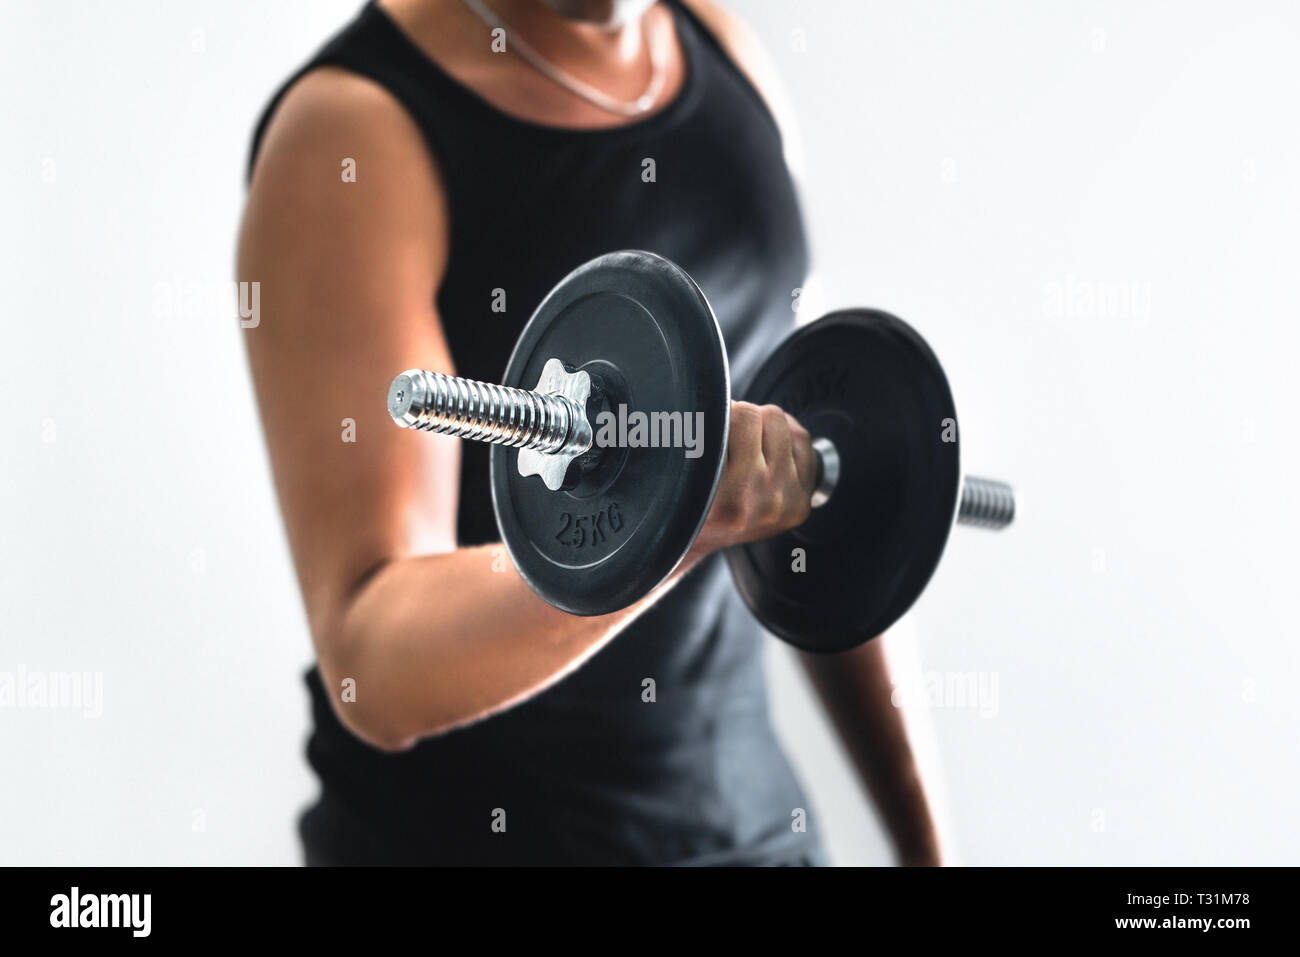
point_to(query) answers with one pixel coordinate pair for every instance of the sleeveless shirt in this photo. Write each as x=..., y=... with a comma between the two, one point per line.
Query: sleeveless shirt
x=660, y=748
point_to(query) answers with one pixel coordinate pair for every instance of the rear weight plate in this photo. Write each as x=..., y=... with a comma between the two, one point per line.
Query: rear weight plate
x=643, y=330
x=867, y=381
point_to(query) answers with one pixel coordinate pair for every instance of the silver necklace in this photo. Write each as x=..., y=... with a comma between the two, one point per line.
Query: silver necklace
x=642, y=104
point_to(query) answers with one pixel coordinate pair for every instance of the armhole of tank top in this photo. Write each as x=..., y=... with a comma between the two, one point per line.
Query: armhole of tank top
x=729, y=63
x=264, y=120
x=427, y=133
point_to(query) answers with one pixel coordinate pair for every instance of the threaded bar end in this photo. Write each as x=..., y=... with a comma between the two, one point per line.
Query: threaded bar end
x=987, y=503
x=481, y=411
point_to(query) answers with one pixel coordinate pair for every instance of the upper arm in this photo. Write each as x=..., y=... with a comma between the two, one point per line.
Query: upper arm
x=347, y=275
x=743, y=47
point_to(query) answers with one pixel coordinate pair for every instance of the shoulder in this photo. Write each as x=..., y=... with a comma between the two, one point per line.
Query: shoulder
x=343, y=180
x=329, y=109
x=741, y=43
x=340, y=153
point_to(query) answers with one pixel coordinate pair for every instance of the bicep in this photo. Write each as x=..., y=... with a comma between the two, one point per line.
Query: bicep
x=347, y=273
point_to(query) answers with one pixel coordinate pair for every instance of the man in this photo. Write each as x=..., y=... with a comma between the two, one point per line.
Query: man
x=437, y=160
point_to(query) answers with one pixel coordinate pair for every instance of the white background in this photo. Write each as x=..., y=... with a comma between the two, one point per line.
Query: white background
x=966, y=164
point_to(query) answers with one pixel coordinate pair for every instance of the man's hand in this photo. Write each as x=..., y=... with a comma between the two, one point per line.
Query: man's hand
x=767, y=482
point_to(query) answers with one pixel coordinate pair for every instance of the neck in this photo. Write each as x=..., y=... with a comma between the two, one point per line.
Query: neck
x=584, y=34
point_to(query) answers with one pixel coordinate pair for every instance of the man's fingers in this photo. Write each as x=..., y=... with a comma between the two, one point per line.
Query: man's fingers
x=776, y=436
x=745, y=447
x=805, y=459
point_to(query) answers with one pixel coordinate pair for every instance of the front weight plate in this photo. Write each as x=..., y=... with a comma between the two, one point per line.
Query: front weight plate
x=643, y=330
x=867, y=381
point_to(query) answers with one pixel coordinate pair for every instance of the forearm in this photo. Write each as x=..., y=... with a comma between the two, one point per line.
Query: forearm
x=439, y=641
x=857, y=691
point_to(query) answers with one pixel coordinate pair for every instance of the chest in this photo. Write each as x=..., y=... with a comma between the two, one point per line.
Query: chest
x=712, y=194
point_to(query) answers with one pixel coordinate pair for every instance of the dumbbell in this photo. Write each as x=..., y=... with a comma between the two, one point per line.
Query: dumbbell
x=596, y=514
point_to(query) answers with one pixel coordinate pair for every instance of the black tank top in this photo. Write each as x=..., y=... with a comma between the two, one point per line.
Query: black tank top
x=589, y=771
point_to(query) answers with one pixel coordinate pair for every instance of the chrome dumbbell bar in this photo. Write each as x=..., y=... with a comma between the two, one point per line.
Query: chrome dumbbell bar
x=550, y=424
